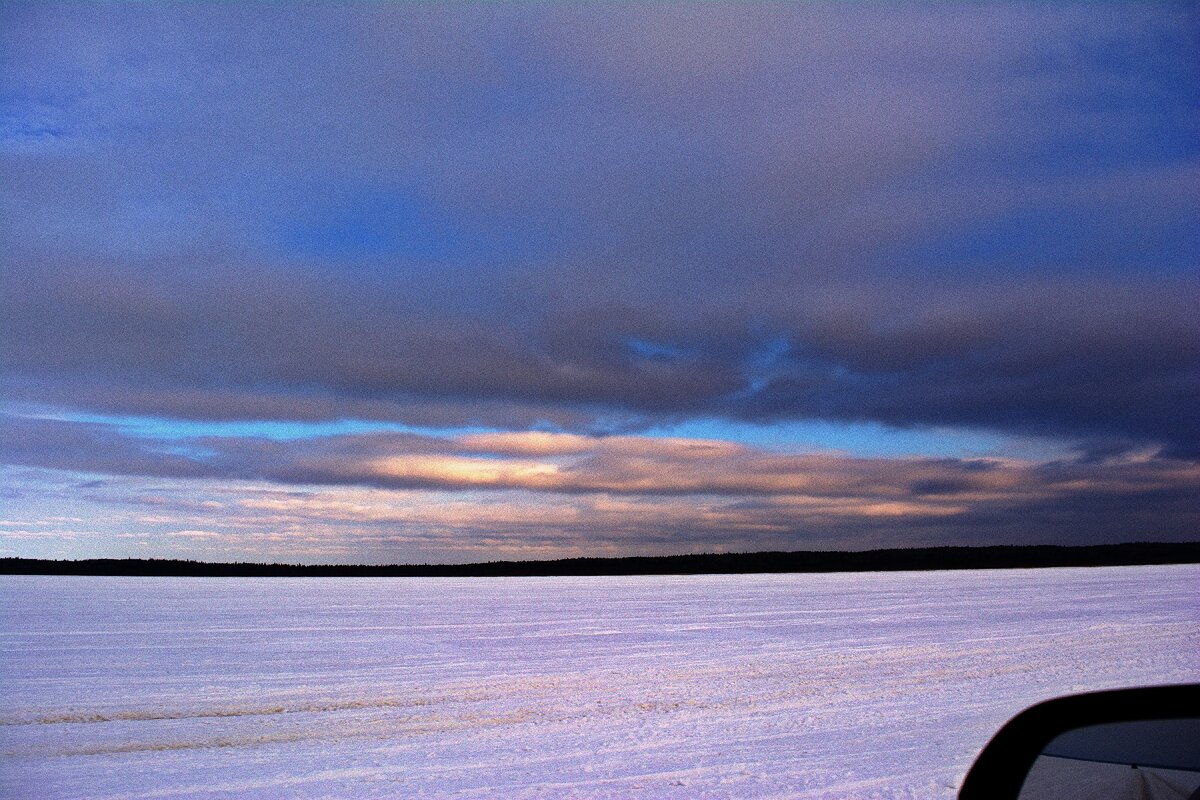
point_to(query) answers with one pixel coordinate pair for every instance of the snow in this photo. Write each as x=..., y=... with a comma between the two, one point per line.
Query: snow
x=880, y=685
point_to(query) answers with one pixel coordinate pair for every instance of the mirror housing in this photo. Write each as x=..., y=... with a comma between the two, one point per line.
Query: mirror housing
x=1001, y=767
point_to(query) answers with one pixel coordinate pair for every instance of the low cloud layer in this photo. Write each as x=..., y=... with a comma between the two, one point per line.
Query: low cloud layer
x=562, y=494
x=1106, y=358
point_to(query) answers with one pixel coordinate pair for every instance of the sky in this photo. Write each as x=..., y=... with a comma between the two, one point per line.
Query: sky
x=382, y=283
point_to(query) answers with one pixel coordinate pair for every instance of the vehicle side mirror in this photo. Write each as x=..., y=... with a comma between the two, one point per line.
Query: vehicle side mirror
x=1129, y=743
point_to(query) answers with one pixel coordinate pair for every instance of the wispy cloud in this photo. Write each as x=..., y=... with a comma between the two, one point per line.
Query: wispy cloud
x=568, y=493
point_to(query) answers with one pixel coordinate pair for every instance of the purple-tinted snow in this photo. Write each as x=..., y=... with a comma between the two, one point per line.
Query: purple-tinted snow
x=823, y=686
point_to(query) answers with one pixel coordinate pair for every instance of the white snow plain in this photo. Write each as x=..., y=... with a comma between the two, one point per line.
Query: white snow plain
x=870, y=685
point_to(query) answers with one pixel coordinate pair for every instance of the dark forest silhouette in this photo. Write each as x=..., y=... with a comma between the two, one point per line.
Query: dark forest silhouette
x=924, y=558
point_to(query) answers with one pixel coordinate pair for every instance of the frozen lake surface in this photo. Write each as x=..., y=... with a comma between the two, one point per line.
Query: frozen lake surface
x=743, y=686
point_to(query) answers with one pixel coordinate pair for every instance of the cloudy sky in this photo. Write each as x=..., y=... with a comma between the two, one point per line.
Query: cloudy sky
x=406, y=283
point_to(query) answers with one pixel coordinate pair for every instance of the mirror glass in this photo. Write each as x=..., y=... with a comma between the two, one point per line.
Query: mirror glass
x=1147, y=760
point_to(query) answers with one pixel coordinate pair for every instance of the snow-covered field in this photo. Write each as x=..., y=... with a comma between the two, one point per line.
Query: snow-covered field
x=853, y=685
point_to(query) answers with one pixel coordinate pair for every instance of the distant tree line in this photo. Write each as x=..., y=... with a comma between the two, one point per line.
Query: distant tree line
x=918, y=558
